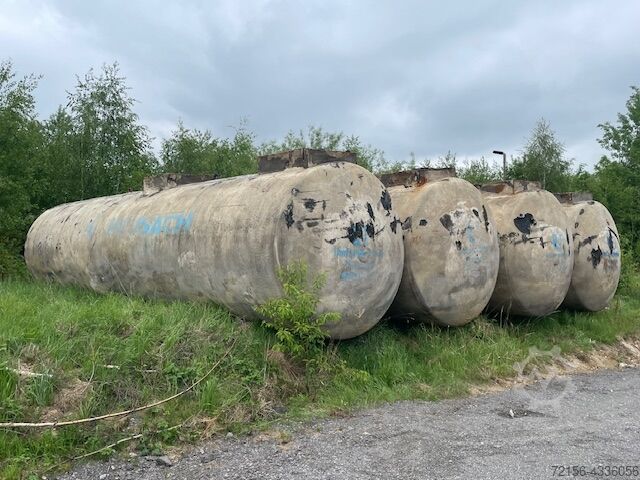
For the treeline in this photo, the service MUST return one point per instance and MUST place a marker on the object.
(95, 145)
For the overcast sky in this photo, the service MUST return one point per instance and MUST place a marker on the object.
(405, 76)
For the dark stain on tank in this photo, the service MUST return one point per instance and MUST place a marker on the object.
(581, 211)
(385, 200)
(288, 215)
(324, 205)
(476, 212)
(596, 256)
(458, 244)
(299, 225)
(447, 223)
(310, 203)
(542, 242)
(610, 241)
(523, 222)
(344, 215)
(576, 225)
(312, 224)
(587, 240)
(394, 224)
(294, 191)
(355, 231)
(371, 230)
(567, 234)
(347, 194)
(370, 211)
(485, 217)
(407, 224)
(423, 222)
(331, 242)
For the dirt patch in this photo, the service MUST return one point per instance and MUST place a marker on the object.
(66, 400)
(625, 353)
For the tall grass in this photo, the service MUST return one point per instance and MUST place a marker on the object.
(102, 353)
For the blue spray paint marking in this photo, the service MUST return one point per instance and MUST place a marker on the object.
(170, 224)
(470, 236)
(353, 270)
(556, 242)
(348, 275)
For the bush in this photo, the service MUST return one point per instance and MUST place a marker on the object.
(297, 326)
(11, 264)
(630, 271)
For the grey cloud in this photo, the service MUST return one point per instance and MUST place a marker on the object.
(404, 76)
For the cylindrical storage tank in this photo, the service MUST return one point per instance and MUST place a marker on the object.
(597, 254)
(536, 250)
(225, 240)
(451, 247)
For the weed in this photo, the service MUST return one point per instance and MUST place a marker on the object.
(294, 318)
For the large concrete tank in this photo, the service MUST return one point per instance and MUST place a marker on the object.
(536, 249)
(225, 240)
(451, 246)
(597, 255)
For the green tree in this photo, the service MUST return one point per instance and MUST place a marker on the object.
(199, 152)
(479, 172)
(543, 160)
(316, 137)
(617, 182)
(110, 149)
(20, 148)
(623, 139)
(60, 163)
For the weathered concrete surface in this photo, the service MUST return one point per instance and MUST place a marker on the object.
(511, 187)
(301, 157)
(224, 240)
(536, 253)
(596, 424)
(155, 184)
(596, 267)
(451, 251)
(574, 197)
(416, 177)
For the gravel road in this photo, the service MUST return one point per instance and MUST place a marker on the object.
(583, 420)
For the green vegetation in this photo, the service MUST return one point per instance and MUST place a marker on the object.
(68, 353)
(103, 353)
(95, 145)
(293, 318)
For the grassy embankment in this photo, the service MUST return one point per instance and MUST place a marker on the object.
(101, 354)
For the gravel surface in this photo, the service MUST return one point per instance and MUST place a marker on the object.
(582, 420)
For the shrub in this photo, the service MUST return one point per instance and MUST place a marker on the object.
(297, 325)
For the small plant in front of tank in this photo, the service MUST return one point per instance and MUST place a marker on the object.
(294, 318)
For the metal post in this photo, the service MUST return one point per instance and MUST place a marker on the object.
(504, 163)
